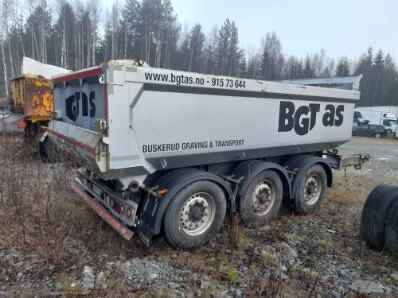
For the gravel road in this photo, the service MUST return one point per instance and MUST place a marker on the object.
(383, 164)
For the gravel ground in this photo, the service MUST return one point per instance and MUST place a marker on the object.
(313, 255)
(384, 153)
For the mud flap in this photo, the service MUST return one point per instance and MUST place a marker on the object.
(144, 236)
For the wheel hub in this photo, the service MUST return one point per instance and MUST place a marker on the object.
(312, 189)
(197, 214)
(263, 197)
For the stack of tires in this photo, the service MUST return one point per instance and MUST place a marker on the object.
(379, 221)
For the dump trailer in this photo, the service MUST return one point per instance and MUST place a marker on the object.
(32, 97)
(164, 150)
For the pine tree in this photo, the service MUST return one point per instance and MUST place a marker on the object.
(67, 33)
(222, 46)
(308, 71)
(234, 54)
(343, 69)
(131, 23)
(365, 67)
(272, 60)
(195, 48)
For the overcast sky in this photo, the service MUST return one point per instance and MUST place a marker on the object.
(341, 27)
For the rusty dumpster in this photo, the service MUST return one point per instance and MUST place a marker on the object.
(32, 97)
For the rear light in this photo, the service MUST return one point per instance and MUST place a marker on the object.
(128, 213)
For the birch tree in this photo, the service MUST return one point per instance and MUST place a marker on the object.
(114, 23)
(3, 36)
(94, 8)
(7, 7)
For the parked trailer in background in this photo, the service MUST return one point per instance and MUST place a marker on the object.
(163, 150)
(32, 97)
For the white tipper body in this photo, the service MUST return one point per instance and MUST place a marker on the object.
(136, 120)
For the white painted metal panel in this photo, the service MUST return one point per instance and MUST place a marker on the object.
(161, 118)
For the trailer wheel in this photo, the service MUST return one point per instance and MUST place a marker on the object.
(48, 152)
(262, 199)
(391, 233)
(311, 190)
(195, 215)
(374, 212)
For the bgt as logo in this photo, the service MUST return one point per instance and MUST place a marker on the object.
(72, 105)
(303, 119)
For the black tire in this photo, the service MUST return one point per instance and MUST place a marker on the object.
(374, 212)
(267, 180)
(174, 231)
(302, 203)
(391, 231)
(48, 153)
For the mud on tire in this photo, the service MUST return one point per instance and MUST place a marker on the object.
(262, 199)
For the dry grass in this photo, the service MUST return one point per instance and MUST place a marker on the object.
(354, 188)
(40, 215)
(38, 211)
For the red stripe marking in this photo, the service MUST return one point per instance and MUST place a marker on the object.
(78, 75)
(70, 140)
(105, 215)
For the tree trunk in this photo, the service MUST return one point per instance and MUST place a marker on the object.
(88, 49)
(33, 45)
(4, 67)
(43, 43)
(21, 40)
(63, 46)
(36, 46)
(11, 60)
(125, 43)
(113, 44)
(190, 60)
(82, 65)
(94, 41)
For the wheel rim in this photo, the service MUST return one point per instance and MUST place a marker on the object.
(263, 197)
(312, 189)
(197, 214)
